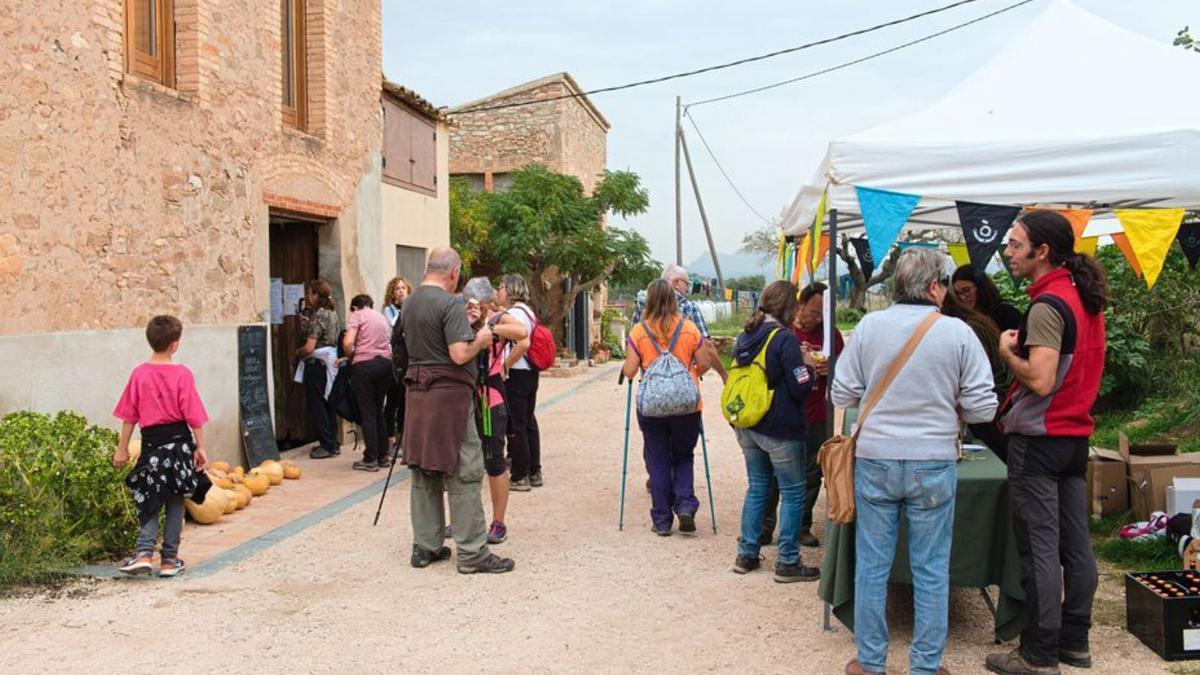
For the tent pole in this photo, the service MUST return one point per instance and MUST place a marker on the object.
(827, 624)
(687, 158)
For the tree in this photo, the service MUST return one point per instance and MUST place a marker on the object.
(763, 242)
(753, 282)
(1184, 39)
(546, 228)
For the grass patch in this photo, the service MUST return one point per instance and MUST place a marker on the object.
(1137, 555)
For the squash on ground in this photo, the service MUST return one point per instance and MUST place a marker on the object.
(211, 510)
(257, 483)
(244, 496)
(237, 474)
(230, 501)
(272, 470)
(220, 466)
(290, 471)
(220, 479)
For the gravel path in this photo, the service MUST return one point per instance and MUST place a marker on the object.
(340, 596)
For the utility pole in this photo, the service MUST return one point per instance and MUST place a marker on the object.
(678, 198)
(703, 216)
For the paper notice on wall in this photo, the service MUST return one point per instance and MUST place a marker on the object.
(276, 292)
(292, 294)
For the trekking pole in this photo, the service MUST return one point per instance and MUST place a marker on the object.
(712, 510)
(391, 467)
(625, 452)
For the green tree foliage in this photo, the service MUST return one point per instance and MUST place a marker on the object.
(545, 227)
(752, 282)
(1184, 39)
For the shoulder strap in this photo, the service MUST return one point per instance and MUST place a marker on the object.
(897, 365)
(527, 315)
(761, 357)
(675, 337)
(650, 334)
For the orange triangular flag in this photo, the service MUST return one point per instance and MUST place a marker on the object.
(1079, 218)
(819, 256)
(1122, 243)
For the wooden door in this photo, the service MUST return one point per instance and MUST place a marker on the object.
(293, 245)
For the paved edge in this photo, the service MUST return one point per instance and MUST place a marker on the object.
(264, 541)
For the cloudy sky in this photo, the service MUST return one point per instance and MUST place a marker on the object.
(768, 143)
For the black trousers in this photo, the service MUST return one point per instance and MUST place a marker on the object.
(320, 413)
(816, 435)
(393, 410)
(1047, 484)
(371, 381)
(524, 440)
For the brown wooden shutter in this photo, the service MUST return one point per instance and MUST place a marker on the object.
(397, 143)
(424, 154)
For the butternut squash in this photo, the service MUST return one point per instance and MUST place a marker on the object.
(257, 483)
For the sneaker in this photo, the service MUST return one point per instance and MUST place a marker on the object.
(384, 462)
(807, 538)
(744, 564)
(855, 668)
(141, 563)
(687, 522)
(1012, 663)
(492, 564)
(521, 485)
(497, 533)
(321, 453)
(1079, 658)
(535, 479)
(371, 467)
(661, 531)
(171, 567)
(786, 573)
(422, 558)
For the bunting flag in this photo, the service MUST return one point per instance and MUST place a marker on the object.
(819, 254)
(1087, 245)
(1079, 221)
(1122, 243)
(815, 262)
(884, 214)
(779, 263)
(863, 248)
(984, 227)
(959, 253)
(1150, 233)
(802, 255)
(905, 245)
(1189, 241)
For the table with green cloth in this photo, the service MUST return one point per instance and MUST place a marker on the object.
(983, 553)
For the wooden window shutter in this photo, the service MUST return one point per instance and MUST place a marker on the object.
(294, 61)
(397, 143)
(424, 155)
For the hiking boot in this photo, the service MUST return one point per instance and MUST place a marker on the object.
(786, 573)
(384, 461)
(535, 479)
(687, 522)
(521, 485)
(320, 453)
(855, 668)
(142, 563)
(422, 558)
(492, 564)
(1079, 658)
(371, 467)
(744, 564)
(807, 538)
(171, 567)
(497, 533)
(662, 531)
(1012, 663)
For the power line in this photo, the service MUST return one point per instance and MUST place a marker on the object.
(722, 169)
(847, 64)
(722, 66)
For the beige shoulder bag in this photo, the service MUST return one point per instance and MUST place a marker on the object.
(837, 454)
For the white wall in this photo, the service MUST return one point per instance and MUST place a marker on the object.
(411, 218)
(86, 371)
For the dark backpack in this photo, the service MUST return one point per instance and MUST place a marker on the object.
(399, 350)
(341, 397)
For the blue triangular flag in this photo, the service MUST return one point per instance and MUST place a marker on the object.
(884, 214)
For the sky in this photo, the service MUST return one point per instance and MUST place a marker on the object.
(768, 143)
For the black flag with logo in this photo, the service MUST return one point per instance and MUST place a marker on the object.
(1189, 239)
(863, 248)
(984, 227)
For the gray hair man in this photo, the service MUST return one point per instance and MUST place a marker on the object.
(681, 281)
(441, 445)
(906, 453)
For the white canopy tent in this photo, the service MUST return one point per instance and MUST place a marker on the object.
(1074, 111)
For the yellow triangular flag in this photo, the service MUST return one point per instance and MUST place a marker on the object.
(1087, 245)
(816, 228)
(782, 252)
(1151, 232)
(1122, 243)
(960, 254)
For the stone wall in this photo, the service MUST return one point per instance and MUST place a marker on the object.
(502, 141)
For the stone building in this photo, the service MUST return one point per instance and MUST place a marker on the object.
(566, 133)
(191, 157)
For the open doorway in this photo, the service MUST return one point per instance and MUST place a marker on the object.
(293, 250)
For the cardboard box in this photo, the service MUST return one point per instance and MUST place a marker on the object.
(1107, 487)
(1149, 476)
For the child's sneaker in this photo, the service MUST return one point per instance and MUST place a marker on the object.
(497, 533)
(171, 567)
(141, 563)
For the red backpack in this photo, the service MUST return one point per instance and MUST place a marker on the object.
(542, 350)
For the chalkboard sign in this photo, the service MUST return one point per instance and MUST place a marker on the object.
(258, 432)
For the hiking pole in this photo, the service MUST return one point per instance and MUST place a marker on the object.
(625, 452)
(391, 467)
(712, 510)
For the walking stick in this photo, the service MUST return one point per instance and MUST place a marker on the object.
(625, 452)
(712, 510)
(391, 467)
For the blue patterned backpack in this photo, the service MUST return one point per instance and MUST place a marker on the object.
(667, 388)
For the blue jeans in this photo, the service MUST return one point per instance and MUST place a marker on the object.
(925, 491)
(783, 458)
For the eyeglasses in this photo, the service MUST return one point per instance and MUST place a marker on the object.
(1016, 245)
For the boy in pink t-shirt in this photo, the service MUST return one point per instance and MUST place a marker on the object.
(161, 399)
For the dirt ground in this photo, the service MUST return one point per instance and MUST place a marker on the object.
(585, 597)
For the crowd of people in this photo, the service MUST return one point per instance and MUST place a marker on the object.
(948, 355)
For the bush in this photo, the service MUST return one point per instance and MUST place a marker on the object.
(848, 316)
(62, 503)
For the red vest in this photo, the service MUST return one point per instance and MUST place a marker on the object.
(1066, 411)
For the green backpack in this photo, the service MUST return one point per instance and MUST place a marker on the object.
(746, 397)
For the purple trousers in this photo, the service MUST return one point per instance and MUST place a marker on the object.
(669, 446)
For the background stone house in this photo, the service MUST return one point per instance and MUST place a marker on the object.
(566, 133)
(192, 157)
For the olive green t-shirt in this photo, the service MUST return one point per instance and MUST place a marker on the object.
(1044, 328)
(433, 320)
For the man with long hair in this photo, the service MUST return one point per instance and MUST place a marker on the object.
(1057, 359)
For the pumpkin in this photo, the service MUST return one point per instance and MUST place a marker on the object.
(230, 501)
(237, 474)
(244, 497)
(272, 470)
(257, 483)
(220, 466)
(220, 479)
(211, 510)
(291, 471)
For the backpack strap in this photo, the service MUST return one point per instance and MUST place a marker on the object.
(897, 365)
(528, 315)
(761, 357)
(650, 334)
(675, 337)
